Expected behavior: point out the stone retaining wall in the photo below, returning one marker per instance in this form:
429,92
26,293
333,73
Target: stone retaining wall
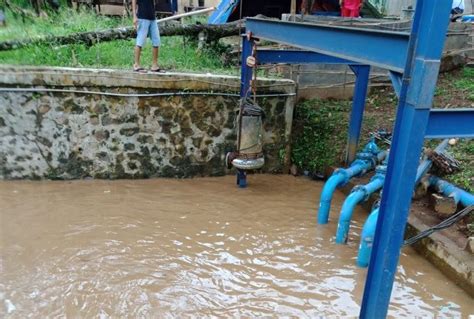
64,135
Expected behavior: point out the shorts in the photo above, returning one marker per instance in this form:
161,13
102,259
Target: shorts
145,28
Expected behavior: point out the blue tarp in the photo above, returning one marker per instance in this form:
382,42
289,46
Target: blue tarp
223,11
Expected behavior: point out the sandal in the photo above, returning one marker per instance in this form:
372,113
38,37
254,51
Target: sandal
157,70
139,70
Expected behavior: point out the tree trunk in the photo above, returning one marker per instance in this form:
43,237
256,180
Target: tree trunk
214,32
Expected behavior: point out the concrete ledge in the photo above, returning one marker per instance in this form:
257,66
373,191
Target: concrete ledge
442,251
75,77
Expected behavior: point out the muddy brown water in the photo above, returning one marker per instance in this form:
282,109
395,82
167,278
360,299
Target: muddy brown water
192,248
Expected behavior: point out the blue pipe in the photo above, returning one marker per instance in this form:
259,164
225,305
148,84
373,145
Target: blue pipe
359,193
366,160
368,231
367,239
426,164
449,190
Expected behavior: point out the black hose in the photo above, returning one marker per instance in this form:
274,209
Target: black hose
444,224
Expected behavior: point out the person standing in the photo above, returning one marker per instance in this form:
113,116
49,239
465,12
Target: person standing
144,21
351,8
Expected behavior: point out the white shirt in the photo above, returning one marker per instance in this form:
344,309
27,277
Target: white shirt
458,4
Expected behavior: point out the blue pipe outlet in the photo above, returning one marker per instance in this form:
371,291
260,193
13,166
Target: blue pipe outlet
449,190
368,231
367,239
366,160
359,193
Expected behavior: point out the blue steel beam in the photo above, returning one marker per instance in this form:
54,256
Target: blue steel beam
416,96
358,105
396,81
384,49
297,56
446,123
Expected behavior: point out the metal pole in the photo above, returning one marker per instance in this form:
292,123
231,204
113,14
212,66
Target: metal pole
358,104
246,71
245,87
416,96
187,14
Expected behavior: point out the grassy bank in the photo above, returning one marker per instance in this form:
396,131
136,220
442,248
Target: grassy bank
176,53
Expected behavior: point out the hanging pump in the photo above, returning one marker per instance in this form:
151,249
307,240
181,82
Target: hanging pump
249,155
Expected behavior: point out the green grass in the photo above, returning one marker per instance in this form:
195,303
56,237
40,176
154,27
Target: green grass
174,54
466,83
66,21
464,152
319,134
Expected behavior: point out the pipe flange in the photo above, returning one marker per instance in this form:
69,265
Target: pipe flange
363,189
365,156
342,172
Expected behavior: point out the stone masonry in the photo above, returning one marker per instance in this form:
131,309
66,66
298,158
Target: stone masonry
65,135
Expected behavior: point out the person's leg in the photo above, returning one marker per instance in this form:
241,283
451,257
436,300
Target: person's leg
345,12
355,13
142,32
155,41
154,65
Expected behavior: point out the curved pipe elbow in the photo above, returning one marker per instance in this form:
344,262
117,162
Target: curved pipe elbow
326,196
358,195
346,215
367,239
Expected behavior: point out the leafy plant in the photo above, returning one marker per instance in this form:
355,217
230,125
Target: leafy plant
320,133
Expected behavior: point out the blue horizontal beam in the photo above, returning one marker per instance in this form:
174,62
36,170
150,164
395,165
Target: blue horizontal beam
446,123
384,49
297,56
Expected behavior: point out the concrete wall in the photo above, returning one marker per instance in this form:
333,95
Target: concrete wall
71,135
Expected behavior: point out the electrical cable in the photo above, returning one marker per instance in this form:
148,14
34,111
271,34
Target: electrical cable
444,224
181,93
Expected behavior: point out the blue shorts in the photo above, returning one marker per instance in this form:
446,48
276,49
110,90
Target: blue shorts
145,28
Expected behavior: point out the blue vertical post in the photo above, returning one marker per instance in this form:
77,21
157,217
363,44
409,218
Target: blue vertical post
358,104
245,86
246,71
416,96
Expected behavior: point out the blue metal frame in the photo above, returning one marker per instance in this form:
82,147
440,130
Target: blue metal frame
414,60
445,123
297,56
416,96
362,73
374,47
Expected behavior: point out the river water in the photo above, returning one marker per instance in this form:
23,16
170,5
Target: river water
192,248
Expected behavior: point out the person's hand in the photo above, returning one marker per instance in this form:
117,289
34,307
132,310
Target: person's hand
361,4
135,22
341,2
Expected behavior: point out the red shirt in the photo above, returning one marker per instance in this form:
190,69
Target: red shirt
352,4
